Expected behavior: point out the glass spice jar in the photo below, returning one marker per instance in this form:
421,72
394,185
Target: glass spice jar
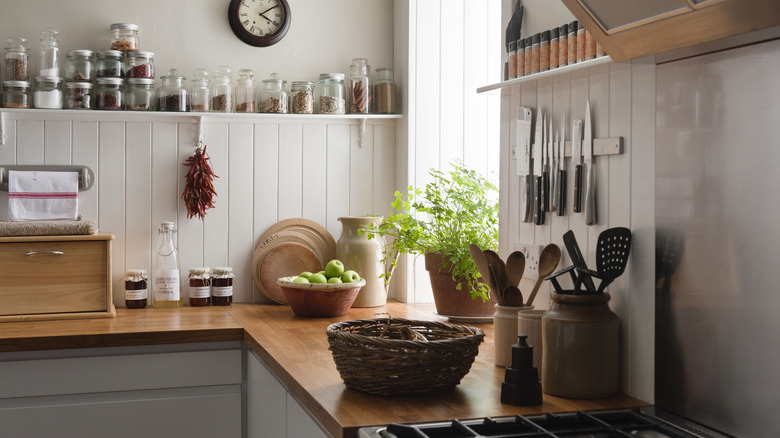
302,97
124,36
331,94
221,92
359,87
245,91
222,286
385,94
48,93
172,96
108,64
139,64
200,287
109,95
16,94
136,288
78,65
17,60
200,99
273,97
78,95
140,94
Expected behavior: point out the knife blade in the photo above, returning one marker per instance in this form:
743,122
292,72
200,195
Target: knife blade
590,178
545,168
561,195
576,154
551,166
524,169
538,142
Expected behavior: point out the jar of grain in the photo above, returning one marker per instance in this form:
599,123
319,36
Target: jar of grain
109,95
47,92
139,64
78,65
124,36
172,96
16,94
331,94
200,95
17,60
273,97
78,95
108,64
302,97
359,87
385,93
221,93
140,94
245,91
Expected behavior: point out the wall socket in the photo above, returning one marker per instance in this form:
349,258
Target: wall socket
531,251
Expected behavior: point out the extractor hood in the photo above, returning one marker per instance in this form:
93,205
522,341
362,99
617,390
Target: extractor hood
630,29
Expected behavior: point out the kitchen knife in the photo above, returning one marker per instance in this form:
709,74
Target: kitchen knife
590,178
538,192
576,155
551,153
524,169
545,168
561,194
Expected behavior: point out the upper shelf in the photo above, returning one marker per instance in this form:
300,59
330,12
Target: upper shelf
544,74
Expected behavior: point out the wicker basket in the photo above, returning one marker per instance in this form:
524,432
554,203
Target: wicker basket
399,356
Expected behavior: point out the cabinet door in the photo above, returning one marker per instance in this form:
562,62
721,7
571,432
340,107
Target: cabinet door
266,408
300,423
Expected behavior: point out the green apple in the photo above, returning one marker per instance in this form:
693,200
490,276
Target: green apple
300,280
334,280
305,274
334,268
350,276
317,278
322,273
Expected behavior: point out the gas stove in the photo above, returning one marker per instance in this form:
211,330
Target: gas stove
646,422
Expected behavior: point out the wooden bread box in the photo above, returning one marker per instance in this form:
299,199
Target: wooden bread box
55,277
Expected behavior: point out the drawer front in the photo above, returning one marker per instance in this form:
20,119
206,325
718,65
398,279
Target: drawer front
53,277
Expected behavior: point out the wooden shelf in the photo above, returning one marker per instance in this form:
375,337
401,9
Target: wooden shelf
548,73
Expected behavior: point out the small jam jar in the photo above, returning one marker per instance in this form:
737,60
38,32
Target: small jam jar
16,94
136,288
222,286
140,65
109,94
124,36
108,64
78,95
200,287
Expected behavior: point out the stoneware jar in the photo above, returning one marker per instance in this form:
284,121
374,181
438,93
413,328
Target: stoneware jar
529,323
364,256
581,357
505,326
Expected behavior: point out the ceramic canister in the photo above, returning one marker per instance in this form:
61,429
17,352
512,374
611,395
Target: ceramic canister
364,256
529,323
505,327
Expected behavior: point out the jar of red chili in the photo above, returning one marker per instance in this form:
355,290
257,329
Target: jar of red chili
222,286
139,65
136,288
200,287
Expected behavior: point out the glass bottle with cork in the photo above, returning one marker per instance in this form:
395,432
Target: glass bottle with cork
49,54
136,288
385,92
359,87
222,286
200,286
167,284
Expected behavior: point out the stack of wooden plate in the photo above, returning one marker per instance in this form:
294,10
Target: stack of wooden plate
288,248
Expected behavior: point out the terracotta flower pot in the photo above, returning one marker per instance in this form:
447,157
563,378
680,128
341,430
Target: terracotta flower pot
450,301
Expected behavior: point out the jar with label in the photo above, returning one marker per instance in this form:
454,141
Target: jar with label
78,65
78,95
302,97
16,94
385,92
124,36
172,96
563,45
49,54
331,94
200,287
222,286
554,47
140,94
140,64
109,95
136,288
108,64
245,91
17,60
200,95
580,42
273,97
221,92
47,92
544,51
535,53
520,72
359,87
167,284
512,60
527,54
571,42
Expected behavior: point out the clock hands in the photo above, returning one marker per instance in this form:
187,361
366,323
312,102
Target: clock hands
262,14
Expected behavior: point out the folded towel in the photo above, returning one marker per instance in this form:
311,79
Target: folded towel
34,195
47,228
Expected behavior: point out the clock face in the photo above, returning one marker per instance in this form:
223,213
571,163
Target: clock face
259,22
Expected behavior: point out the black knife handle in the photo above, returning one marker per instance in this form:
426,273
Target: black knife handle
538,210
546,191
577,207
561,192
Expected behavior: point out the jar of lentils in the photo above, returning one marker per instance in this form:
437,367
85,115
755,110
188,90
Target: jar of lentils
108,64
332,96
109,95
78,95
140,64
140,94
17,60
124,36
302,97
78,65
16,94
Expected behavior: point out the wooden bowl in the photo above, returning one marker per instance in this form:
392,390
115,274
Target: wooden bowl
320,300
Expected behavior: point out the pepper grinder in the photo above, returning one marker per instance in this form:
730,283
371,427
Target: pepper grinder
521,385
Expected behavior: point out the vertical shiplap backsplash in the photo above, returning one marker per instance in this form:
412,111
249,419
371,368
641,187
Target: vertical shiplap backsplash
270,168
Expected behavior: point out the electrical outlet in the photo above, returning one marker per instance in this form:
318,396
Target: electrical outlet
532,252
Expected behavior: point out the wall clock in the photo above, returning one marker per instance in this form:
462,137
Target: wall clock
259,23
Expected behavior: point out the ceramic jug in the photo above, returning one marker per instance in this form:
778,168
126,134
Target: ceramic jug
364,256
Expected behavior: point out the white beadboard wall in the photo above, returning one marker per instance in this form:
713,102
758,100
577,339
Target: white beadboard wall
270,168
622,98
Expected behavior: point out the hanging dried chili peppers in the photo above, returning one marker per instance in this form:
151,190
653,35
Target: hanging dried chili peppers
199,186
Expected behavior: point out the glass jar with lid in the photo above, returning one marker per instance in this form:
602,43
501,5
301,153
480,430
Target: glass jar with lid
108,64
140,64
359,87
17,60
49,54
172,96
47,92
199,93
140,94
109,95
222,286
124,36
16,94
385,92
273,97
245,91
302,97
78,95
331,94
221,92
78,65
136,288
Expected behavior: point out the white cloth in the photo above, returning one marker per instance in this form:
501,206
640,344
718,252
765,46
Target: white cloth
35,196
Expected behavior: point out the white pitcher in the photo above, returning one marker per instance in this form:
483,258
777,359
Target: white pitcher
364,256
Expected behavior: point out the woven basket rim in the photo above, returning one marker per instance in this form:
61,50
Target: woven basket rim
333,330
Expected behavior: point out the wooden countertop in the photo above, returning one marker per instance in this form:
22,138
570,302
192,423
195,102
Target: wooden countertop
296,350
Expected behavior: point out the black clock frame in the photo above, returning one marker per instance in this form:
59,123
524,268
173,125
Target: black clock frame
252,39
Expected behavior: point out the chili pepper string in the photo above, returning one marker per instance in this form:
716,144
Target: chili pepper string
199,191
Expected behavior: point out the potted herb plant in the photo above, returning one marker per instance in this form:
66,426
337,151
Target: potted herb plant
454,210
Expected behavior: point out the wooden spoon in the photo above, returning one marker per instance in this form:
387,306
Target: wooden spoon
495,261
548,261
515,267
512,296
482,266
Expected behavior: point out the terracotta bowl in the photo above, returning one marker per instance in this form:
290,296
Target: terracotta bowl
320,300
